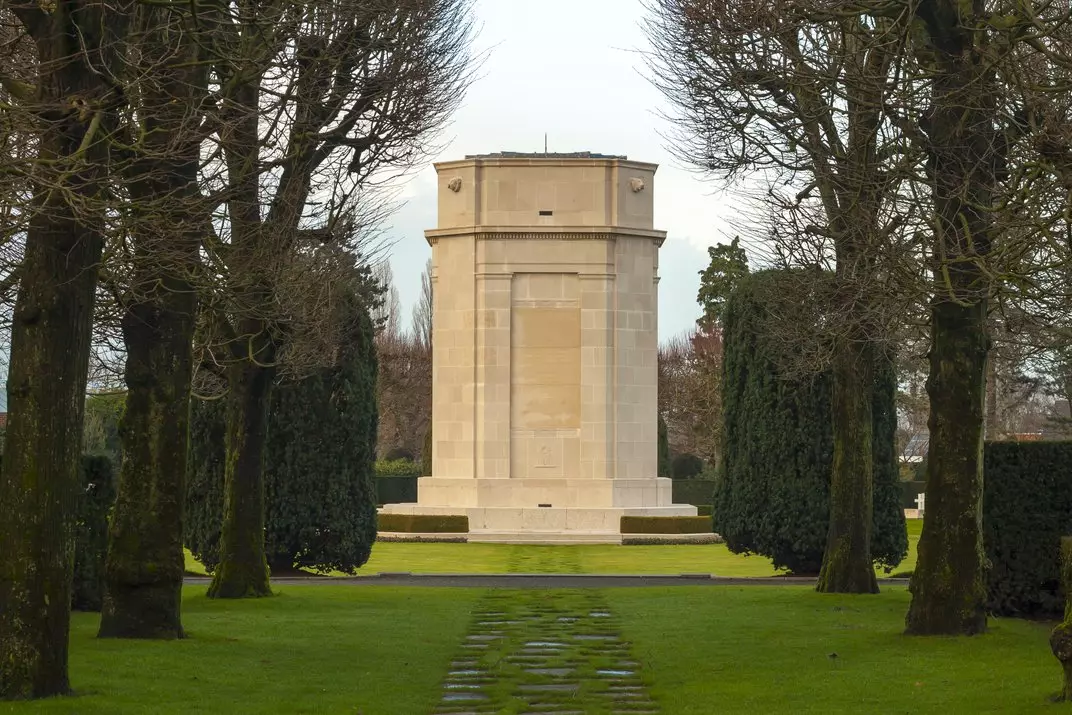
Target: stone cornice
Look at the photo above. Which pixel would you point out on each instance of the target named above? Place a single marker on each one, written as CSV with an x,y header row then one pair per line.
x,y
544,233
544,161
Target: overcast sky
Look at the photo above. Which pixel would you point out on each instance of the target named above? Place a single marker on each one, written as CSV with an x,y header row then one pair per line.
x,y
572,69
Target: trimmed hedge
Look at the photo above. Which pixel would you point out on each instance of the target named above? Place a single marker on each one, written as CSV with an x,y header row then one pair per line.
x,y
398,454
396,490
1027,508
703,509
94,506
423,523
666,525
91,532
694,491
686,466
397,468
909,492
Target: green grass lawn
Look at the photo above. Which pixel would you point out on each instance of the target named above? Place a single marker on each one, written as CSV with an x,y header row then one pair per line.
x,y
312,649
592,559
766,650
386,651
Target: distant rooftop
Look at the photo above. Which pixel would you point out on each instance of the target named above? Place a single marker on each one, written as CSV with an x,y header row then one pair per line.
x,y
546,155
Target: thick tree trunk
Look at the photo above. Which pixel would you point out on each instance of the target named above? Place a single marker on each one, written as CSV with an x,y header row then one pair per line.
x,y
847,565
1061,637
50,341
50,344
949,583
145,566
243,568
145,557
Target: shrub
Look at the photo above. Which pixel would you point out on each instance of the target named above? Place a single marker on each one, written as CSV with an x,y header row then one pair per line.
x,y
320,498
666,525
92,511
694,491
773,494
396,490
397,468
424,523
396,454
1027,508
686,466
703,510
909,492
91,533
664,469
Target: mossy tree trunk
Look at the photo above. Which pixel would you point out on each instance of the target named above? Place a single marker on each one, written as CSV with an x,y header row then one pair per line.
x,y
1061,637
949,583
243,568
145,562
847,565
50,339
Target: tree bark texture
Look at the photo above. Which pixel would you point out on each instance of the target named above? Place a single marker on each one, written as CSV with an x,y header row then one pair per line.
x,y
949,583
1061,637
50,341
243,568
145,563
847,565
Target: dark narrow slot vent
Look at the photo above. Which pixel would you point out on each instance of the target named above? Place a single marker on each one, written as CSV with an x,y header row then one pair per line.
x,y
547,213
543,506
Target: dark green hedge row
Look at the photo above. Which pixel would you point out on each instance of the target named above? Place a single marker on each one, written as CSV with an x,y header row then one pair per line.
x,y
693,491
666,524
909,492
423,523
396,490
1027,508
91,533
94,506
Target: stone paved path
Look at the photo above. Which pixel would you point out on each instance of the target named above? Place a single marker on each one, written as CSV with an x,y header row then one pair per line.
x,y
532,652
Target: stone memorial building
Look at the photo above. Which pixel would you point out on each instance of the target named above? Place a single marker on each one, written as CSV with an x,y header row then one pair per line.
x,y
545,304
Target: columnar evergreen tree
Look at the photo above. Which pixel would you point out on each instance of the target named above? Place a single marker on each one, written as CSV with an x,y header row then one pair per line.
x,y
320,501
774,494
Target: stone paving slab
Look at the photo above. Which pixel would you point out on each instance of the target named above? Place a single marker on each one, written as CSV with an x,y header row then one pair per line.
x,y
545,653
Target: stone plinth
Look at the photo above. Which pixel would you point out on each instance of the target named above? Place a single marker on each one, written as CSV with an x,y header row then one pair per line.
x,y
545,303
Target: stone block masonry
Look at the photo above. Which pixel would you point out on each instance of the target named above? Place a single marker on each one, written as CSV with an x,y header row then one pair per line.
x,y
545,292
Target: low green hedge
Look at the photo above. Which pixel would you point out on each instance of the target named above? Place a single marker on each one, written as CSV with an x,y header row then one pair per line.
x,y
703,509
423,523
1027,508
397,468
666,525
694,491
396,490
92,509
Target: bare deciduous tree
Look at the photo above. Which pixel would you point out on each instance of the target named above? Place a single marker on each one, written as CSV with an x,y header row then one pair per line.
x,y
70,98
799,94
